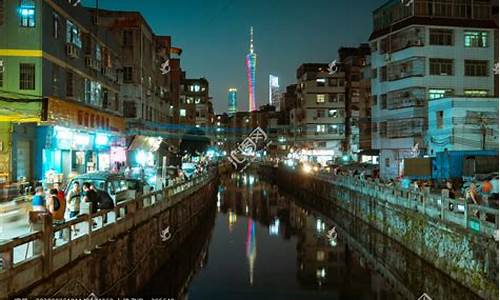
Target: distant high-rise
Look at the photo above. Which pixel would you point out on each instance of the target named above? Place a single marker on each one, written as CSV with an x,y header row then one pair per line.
x,y
232,99
251,61
274,92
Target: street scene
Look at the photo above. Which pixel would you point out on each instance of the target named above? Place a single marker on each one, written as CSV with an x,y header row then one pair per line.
x,y
233,149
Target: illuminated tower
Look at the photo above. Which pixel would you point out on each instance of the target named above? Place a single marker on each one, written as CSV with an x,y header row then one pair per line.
x,y
251,61
232,98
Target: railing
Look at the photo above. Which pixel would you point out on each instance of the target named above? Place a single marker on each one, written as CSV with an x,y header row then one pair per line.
x,y
39,254
477,219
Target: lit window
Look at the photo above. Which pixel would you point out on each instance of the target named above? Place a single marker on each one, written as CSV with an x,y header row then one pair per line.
x,y
195,88
182,112
320,81
320,255
197,100
475,93
439,93
332,113
27,15
320,98
439,119
73,34
320,128
476,39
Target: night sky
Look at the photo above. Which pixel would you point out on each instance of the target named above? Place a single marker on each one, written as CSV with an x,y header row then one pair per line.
x,y
214,36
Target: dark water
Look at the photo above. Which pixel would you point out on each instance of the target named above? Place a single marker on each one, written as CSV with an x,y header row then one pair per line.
x,y
262,243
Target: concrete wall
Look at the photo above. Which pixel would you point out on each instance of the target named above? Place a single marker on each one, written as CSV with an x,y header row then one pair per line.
x,y
468,258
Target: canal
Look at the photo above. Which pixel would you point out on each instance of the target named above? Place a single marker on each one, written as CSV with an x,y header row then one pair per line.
x,y
262,243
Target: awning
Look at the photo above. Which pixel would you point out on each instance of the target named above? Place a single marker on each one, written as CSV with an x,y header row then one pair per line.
x,y
146,143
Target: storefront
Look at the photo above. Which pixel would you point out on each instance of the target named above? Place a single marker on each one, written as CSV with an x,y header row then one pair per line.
x,y
75,140
143,157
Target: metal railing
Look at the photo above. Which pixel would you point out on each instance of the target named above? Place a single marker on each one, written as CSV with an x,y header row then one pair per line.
x,y
41,254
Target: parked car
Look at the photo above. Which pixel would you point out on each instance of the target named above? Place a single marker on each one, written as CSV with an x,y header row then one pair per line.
x,y
115,185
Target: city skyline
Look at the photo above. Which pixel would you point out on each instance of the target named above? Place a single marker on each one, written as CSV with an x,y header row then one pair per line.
x,y
214,37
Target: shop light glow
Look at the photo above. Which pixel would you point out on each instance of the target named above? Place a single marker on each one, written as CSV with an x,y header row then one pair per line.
x,y
101,139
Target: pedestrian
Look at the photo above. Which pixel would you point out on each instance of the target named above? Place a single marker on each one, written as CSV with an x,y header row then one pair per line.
x,y
38,200
452,193
56,208
90,196
416,187
472,194
60,192
104,202
73,199
494,187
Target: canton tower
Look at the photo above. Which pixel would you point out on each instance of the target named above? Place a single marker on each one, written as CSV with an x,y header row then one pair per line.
x,y
251,61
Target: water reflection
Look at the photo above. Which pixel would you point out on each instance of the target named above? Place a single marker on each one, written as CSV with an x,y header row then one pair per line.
x,y
268,245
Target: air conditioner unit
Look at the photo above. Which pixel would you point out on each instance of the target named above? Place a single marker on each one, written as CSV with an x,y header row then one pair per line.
x,y
71,51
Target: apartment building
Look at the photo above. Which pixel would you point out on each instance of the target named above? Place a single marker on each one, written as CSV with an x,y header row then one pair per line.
x,y
357,96
424,50
60,101
319,119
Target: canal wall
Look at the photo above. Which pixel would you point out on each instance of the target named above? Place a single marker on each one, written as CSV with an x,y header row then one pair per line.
x,y
468,256
117,259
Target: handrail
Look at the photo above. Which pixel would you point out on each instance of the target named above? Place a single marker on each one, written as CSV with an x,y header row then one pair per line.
x,y
161,196
476,219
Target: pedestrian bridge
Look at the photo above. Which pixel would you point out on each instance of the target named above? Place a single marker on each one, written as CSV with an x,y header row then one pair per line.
x,y
101,258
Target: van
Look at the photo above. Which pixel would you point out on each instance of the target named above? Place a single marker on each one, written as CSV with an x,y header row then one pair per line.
x,y
115,185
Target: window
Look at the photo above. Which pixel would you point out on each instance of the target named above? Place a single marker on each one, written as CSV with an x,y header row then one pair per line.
x,y
320,98
476,68
476,39
340,97
332,113
80,118
128,38
2,69
374,73
375,127
73,34
195,88
98,52
182,112
70,87
320,113
26,76
333,129
374,100
27,14
439,93
332,82
387,162
197,100
440,66
441,37
383,101
55,25
320,81
439,119
1,12
320,128
127,74
475,93
55,79
383,74
341,82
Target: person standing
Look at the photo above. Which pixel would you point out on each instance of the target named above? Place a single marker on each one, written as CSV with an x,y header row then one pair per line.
x,y
38,200
56,208
90,196
73,198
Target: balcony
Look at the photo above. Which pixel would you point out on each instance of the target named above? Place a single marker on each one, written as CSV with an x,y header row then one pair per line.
x,y
411,97
412,37
391,14
405,128
411,67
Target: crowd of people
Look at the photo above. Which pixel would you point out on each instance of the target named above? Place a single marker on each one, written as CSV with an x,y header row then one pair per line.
x,y
78,200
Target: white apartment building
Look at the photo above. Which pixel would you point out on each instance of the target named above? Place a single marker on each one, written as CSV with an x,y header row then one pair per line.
x,y
423,50
320,116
